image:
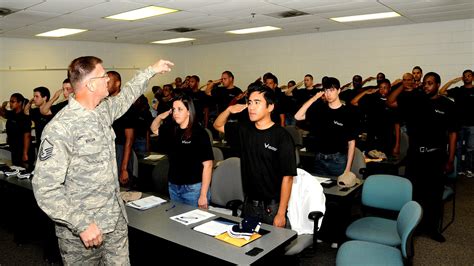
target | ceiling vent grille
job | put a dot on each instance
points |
(288, 14)
(5, 11)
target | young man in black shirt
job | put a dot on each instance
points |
(48, 108)
(40, 97)
(431, 126)
(18, 131)
(268, 160)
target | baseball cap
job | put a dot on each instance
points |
(347, 179)
(245, 228)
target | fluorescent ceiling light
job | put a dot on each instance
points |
(141, 13)
(174, 40)
(367, 17)
(253, 30)
(60, 32)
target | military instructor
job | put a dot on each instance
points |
(76, 181)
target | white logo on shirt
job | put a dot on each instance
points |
(338, 123)
(439, 111)
(185, 142)
(267, 146)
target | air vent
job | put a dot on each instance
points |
(288, 14)
(5, 11)
(181, 29)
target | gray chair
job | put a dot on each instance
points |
(218, 156)
(211, 138)
(358, 252)
(296, 135)
(449, 194)
(159, 177)
(226, 185)
(5, 155)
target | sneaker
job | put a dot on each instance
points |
(438, 237)
(319, 241)
(334, 245)
(469, 173)
(462, 173)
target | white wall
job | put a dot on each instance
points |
(23, 62)
(444, 47)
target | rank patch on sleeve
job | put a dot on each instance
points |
(46, 150)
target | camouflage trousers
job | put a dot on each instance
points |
(113, 251)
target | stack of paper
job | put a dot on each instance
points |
(146, 203)
(214, 227)
(192, 217)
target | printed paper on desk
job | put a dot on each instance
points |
(146, 203)
(192, 217)
(214, 227)
(154, 157)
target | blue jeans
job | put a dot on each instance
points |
(465, 148)
(187, 194)
(139, 146)
(330, 165)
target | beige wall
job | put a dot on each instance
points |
(444, 47)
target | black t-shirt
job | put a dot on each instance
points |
(464, 100)
(127, 120)
(223, 96)
(57, 107)
(17, 125)
(380, 118)
(40, 121)
(266, 157)
(200, 101)
(186, 156)
(143, 122)
(428, 120)
(303, 95)
(331, 129)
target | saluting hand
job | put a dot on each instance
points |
(236, 108)
(162, 66)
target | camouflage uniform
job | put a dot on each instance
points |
(76, 181)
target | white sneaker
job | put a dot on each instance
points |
(469, 173)
(334, 245)
(319, 241)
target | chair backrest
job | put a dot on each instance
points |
(5, 155)
(209, 132)
(159, 176)
(296, 135)
(403, 144)
(358, 163)
(227, 182)
(218, 155)
(134, 164)
(388, 192)
(408, 218)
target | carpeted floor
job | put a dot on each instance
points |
(457, 250)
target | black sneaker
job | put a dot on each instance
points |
(438, 237)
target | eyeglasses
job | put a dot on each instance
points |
(105, 76)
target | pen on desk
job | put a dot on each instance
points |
(188, 217)
(170, 208)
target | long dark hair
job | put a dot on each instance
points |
(188, 103)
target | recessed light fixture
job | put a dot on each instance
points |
(367, 17)
(174, 40)
(60, 32)
(141, 13)
(253, 30)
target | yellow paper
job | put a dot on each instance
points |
(239, 242)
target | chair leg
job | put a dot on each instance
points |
(442, 229)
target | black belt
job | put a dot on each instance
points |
(426, 149)
(264, 203)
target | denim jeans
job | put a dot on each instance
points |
(465, 148)
(187, 194)
(332, 165)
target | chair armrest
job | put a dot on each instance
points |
(315, 216)
(234, 206)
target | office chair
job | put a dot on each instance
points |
(209, 132)
(449, 194)
(5, 155)
(218, 156)
(296, 135)
(356, 252)
(388, 193)
(159, 177)
(226, 185)
(403, 153)
(306, 207)
(358, 164)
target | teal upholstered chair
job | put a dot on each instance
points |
(386, 192)
(358, 252)
(226, 185)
